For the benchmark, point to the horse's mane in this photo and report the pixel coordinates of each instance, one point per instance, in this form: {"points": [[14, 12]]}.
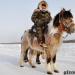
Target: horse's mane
{"points": [[66, 14]]}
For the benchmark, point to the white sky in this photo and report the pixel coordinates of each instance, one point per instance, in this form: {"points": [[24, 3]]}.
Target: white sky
{"points": [[15, 16]]}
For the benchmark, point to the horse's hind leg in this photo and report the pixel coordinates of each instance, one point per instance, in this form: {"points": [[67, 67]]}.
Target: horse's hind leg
{"points": [[22, 59], [54, 59], [54, 65], [24, 47], [26, 57], [38, 58]]}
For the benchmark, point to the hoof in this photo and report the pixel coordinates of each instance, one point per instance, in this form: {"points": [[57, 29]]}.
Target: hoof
{"points": [[21, 66], [33, 66], [50, 73], [56, 71]]}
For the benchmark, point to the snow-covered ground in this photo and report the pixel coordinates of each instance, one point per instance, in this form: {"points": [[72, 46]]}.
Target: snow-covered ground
{"points": [[9, 57]]}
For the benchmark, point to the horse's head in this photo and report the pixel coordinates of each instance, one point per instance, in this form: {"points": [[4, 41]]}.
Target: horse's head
{"points": [[64, 19]]}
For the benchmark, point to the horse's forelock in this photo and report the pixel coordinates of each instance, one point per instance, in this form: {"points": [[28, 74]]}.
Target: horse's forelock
{"points": [[67, 14]]}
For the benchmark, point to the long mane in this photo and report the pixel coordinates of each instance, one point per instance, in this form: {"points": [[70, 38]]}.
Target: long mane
{"points": [[66, 14]]}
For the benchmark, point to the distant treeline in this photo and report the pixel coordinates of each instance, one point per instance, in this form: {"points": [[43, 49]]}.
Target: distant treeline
{"points": [[69, 41]]}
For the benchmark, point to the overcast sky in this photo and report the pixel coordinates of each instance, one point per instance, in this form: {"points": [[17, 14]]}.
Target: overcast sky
{"points": [[15, 16]]}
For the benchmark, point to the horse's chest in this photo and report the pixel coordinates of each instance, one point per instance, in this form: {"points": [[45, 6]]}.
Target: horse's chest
{"points": [[54, 46]]}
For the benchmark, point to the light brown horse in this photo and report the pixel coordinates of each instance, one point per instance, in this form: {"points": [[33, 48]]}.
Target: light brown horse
{"points": [[63, 22]]}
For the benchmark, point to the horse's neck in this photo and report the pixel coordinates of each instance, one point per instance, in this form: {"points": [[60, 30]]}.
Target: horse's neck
{"points": [[52, 30], [55, 33]]}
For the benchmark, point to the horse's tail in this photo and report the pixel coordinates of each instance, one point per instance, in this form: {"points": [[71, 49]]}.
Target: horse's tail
{"points": [[24, 34]]}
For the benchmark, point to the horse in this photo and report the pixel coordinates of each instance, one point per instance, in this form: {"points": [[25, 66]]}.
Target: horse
{"points": [[63, 22]]}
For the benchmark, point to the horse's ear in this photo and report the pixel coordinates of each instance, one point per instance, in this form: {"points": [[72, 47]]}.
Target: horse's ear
{"points": [[69, 10], [63, 10]]}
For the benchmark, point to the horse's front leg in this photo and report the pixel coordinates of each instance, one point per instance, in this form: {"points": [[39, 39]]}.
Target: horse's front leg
{"points": [[24, 48], [54, 65], [26, 55], [49, 66]]}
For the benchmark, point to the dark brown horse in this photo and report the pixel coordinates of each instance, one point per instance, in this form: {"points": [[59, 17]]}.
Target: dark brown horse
{"points": [[63, 22]]}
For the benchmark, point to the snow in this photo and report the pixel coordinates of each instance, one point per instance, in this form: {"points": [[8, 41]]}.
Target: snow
{"points": [[9, 61]]}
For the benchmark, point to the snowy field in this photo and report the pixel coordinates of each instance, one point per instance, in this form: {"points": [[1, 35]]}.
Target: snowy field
{"points": [[9, 57]]}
